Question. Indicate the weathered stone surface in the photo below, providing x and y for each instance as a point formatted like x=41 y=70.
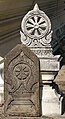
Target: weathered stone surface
x=49 y=65
x=60 y=78
x=21 y=71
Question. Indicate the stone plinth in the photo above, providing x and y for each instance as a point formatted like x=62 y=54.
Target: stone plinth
x=51 y=101
x=21 y=72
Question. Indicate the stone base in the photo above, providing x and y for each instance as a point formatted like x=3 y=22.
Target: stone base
x=9 y=117
x=51 y=101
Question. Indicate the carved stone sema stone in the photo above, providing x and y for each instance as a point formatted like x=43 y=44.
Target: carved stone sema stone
x=21 y=71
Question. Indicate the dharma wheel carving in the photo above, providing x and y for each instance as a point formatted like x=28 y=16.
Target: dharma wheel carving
x=36 y=26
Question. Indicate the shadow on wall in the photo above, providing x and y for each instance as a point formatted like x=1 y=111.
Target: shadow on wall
x=59 y=41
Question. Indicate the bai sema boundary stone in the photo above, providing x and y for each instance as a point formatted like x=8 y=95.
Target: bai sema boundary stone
x=21 y=72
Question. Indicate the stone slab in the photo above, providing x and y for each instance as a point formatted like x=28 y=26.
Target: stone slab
x=21 y=73
x=49 y=65
x=47 y=76
x=43 y=52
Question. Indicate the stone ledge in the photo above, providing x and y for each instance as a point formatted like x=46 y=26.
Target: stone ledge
x=44 y=117
x=15 y=117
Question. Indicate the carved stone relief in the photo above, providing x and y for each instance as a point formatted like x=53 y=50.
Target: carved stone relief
x=36 y=28
x=21 y=82
x=36 y=33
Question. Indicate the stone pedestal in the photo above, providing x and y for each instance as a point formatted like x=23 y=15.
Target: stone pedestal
x=36 y=33
x=51 y=95
x=51 y=101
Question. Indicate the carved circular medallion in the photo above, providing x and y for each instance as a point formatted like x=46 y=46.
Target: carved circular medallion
x=22 y=71
x=36 y=24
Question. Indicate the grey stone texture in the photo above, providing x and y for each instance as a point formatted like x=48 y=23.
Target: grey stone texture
x=60 y=79
x=21 y=73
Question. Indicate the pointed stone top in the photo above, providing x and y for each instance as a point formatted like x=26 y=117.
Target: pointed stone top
x=36 y=7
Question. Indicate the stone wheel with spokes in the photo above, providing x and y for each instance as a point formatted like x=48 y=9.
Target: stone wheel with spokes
x=36 y=27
